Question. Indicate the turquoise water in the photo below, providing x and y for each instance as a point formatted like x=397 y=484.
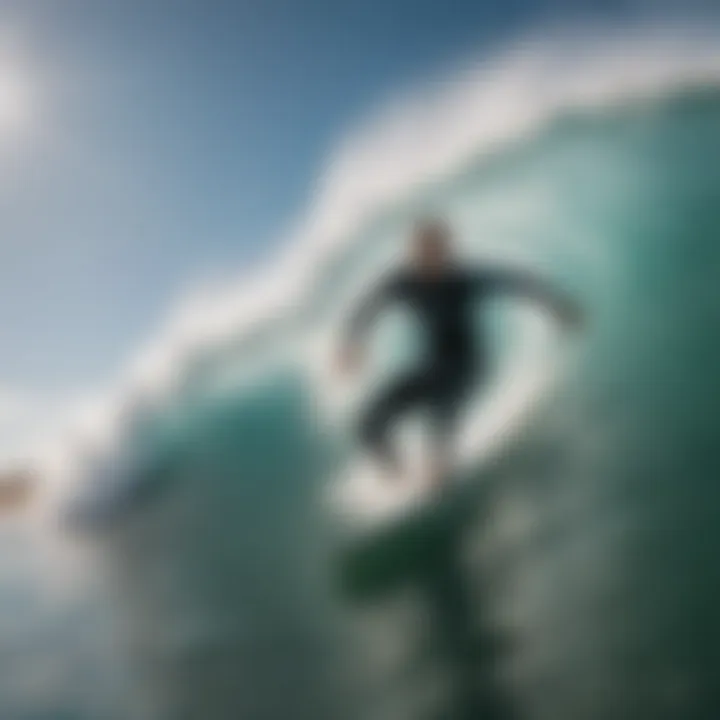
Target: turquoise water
x=585 y=586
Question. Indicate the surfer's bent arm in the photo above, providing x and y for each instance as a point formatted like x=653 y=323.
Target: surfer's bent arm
x=351 y=355
x=368 y=309
x=528 y=285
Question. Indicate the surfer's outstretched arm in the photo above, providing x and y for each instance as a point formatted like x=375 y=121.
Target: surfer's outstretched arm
x=528 y=285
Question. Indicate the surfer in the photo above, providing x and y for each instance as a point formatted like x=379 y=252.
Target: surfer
x=443 y=294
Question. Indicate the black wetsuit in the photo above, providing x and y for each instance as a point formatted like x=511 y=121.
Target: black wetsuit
x=455 y=356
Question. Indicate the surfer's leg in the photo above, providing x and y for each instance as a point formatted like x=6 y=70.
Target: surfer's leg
x=393 y=402
x=449 y=397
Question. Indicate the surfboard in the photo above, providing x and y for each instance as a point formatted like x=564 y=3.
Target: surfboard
x=375 y=557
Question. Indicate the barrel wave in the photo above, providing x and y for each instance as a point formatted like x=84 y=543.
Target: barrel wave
x=582 y=581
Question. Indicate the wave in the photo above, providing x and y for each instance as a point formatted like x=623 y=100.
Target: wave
x=560 y=582
x=392 y=164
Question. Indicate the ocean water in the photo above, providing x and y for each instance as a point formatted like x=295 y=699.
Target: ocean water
x=580 y=584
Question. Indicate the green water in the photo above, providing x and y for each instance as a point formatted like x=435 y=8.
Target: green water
x=585 y=582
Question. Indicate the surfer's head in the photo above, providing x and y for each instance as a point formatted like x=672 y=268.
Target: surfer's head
x=431 y=246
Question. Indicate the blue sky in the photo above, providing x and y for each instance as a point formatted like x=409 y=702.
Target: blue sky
x=171 y=141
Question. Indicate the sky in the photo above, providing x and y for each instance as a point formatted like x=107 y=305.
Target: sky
x=151 y=146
